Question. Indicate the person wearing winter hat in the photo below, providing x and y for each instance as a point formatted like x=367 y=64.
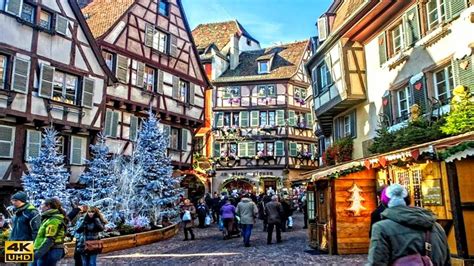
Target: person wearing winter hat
x=376 y=216
x=403 y=231
x=26 y=219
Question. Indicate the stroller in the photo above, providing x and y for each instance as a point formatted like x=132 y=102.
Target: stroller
x=235 y=230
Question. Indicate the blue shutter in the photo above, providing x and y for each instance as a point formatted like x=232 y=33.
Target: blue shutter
x=279 y=148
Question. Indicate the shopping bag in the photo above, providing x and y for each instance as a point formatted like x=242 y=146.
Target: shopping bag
x=207 y=221
x=290 y=221
x=221 y=224
x=186 y=216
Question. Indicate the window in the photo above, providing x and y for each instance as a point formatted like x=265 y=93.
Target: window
x=3 y=70
x=265 y=91
x=109 y=59
x=64 y=87
x=324 y=77
x=77 y=152
x=267 y=119
x=60 y=145
x=174 y=138
x=436 y=13
x=228 y=150
x=396 y=35
x=33 y=144
x=160 y=41
x=231 y=119
x=231 y=92
x=7 y=140
x=45 y=20
x=163 y=7
x=263 y=67
x=149 y=78
x=404 y=102
x=444 y=84
x=183 y=95
x=28 y=13
x=300 y=95
x=345 y=126
x=265 y=149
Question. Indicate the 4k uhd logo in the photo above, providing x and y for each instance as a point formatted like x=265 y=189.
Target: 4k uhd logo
x=19 y=251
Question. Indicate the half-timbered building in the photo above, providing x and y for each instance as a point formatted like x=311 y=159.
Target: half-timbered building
x=148 y=46
x=263 y=135
x=51 y=74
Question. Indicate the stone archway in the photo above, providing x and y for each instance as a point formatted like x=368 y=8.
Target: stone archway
x=194 y=188
x=238 y=184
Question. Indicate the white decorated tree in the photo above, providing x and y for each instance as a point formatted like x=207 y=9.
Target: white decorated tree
x=47 y=176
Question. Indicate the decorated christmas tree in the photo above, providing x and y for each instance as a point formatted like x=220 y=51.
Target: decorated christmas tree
x=47 y=176
x=460 y=119
x=157 y=189
x=100 y=178
x=356 y=200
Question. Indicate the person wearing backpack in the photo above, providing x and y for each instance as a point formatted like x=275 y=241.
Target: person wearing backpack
x=187 y=216
x=26 y=219
x=403 y=233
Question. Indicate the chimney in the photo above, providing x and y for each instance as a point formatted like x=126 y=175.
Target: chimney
x=234 y=52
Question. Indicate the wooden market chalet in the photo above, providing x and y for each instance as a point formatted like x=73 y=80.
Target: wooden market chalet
x=149 y=47
x=51 y=74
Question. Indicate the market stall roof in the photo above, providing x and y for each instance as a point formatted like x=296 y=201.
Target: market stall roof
x=440 y=144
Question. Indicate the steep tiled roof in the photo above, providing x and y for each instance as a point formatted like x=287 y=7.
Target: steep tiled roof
x=102 y=14
x=218 y=33
x=286 y=60
x=345 y=10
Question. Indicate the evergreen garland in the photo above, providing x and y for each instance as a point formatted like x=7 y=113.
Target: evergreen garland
x=455 y=149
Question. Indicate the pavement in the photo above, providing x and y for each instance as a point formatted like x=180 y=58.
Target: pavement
x=209 y=248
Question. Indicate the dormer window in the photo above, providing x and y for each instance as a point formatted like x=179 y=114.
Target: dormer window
x=263 y=66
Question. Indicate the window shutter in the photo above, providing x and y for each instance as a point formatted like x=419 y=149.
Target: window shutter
x=464 y=75
x=217 y=150
x=291 y=118
x=33 y=144
x=280 y=117
x=279 y=148
x=242 y=152
x=293 y=147
x=76 y=150
x=7 y=140
x=418 y=94
x=140 y=74
x=309 y=120
x=251 y=147
x=21 y=75
x=149 y=31
x=122 y=68
x=218 y=121
x=184 y=139
x=62 y=24
x=455 y=7
x=14 y=7
x=387 y=107
x=314 y=151
x=173 y=46
x=167 y=133
x=322 y=28
x=160 y=81
x=192 y=92
x=175 y=88
x=353 y=124
x=133 y=128
x=108 y=123
x=412 y=26
x=115 y=123
x=254 y=116
x=382 y=40
x=88 y=92
x=46 y=81
x=337 y=128
x=244 y=119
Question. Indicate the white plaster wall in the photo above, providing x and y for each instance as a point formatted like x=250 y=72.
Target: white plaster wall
x=12 y=33
x=52 y=4
x=243 y=46
x=54 y=47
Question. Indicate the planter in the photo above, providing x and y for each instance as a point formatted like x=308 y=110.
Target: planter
x=130 y=241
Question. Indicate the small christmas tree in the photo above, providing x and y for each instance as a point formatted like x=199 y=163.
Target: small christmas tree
x=356 y=199
x=47 y=177
x=460 y=119
x=158 y=189
x=99 y=178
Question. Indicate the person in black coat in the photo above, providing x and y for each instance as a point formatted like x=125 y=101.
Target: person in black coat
x=88 y=229
x=376 y=215
x=202 y=211
x=215 y=208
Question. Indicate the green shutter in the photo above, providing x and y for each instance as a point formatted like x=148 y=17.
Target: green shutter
x=254 y=116
x=115 y=122
x=46 y=81
x=291 y=118
x=455 y=7
x=192 y=93
x=160 y=81
x=217 y=150
x=140 y=75
x=251 y=149
x=88 y=92
x=33 y=144
x=293 y=149
x=314 y=151
x=280 y=117
x=418 y=94
x=244 y=119
x=218 y=119
x=412 y=26
x=382 y=41
x=242 y=149
x=108 y=123
x=133 y=128
x=464 y=77
x=173 y=45
x=184 y=139
x=279 y=148
x=121 y=71
x=21 y=73
x=76 y=150
x=309 y=120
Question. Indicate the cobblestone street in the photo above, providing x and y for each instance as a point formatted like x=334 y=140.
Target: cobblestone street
x=210 y=249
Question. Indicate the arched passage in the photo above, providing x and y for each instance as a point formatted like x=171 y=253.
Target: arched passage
x=194 y=188
x=238 y=184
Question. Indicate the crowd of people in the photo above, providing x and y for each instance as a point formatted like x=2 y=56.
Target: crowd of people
x=236 y=213
x=47 y=228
